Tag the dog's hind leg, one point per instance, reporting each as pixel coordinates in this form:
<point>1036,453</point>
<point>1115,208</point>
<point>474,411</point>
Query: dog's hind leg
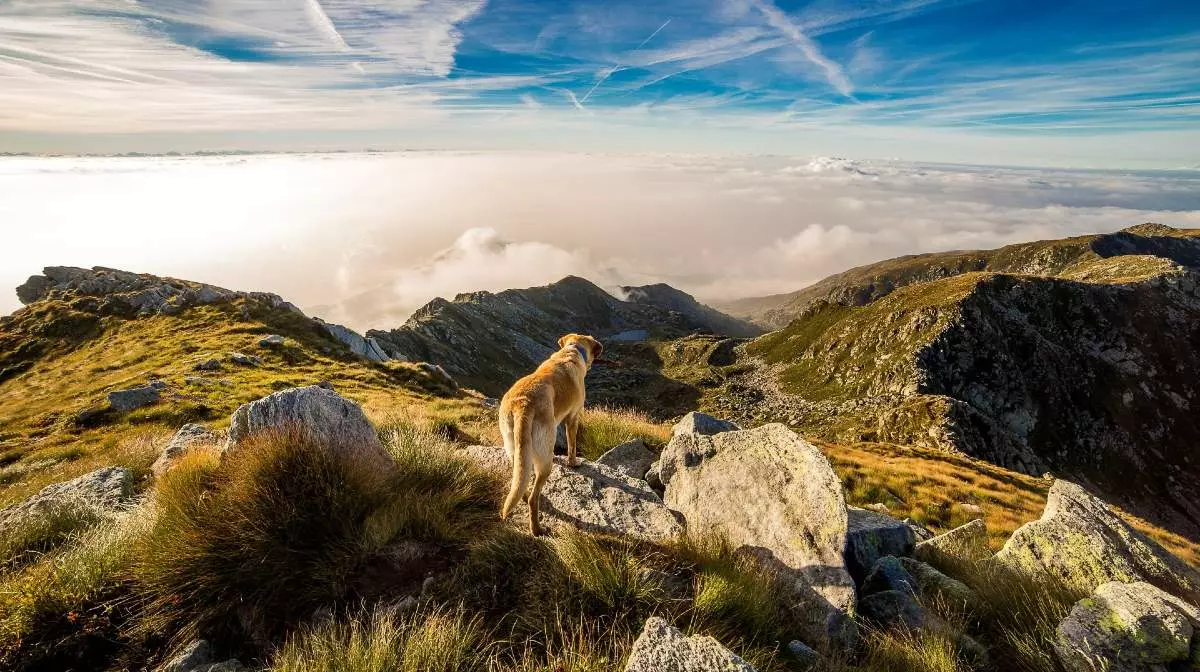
<point>535,496</point>
<point>522,446</point>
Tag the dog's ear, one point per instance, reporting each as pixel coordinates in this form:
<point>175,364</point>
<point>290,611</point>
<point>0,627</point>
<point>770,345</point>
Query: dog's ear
<point>562,341</point>
<point>597,349</point>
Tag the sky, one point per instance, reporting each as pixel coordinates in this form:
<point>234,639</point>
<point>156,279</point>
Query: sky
<point>1096,84</point>
<point>365,239</point>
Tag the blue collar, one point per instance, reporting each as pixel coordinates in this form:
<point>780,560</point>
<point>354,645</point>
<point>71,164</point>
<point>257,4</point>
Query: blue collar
<point>582,353</point>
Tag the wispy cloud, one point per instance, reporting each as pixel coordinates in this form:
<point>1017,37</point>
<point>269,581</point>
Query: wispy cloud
<point>784,24</point>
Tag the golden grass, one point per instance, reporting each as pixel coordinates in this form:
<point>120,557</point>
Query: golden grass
<point>604,428</point>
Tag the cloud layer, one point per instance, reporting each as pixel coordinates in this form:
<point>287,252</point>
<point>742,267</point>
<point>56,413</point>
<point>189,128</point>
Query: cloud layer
<point>366,239</point>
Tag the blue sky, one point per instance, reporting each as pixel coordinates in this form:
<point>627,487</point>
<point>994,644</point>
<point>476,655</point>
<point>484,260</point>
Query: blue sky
<point>1100,83</point>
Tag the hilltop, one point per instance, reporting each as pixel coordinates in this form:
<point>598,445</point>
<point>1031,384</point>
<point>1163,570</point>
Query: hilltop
<point>864,284</point>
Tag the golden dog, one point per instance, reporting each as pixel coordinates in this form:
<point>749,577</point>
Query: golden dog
<point>531,411</point>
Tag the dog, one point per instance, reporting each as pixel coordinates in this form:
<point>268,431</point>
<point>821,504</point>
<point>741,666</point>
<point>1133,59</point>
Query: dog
<point>531,411</point>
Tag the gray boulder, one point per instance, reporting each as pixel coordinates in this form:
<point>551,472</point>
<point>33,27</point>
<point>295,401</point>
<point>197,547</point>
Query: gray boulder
<point>436,371</point>
<point>320,413</point>
<point>1129,627</point>
<point>134,397</point>
<point>890,608</point>
<point>591,497</point>
<point>775,494</point>
<point>198,657</point>
<point>632,459</point>
<point>663,648</point>
<point>870,536</point>
<point>700,423</point>
<point>272,341</point>
<point>95,493</point>
<point>654,475</point>
<point>965,542</point>
<point>186,437</point>
<point>1082,543</point>
<point>208,365</point>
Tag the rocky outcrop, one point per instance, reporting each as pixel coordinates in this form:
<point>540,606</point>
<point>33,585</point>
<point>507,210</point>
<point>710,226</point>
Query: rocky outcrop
<point>98,492</point>
<point>663,648</point>
<point>362,346</point>
<point>486,340</point>
<point>870,536</point>
<point>632,459</point>
<point>1082,543</point>
<point>592,497</point>
<point>776,495</point>
<point>1076,362</point>
<point>132,294</point>
<point>189,435</point>
<point>700,423</point>
<point>666,296</point>
<point>1129,627</point>
<point>323,415</point>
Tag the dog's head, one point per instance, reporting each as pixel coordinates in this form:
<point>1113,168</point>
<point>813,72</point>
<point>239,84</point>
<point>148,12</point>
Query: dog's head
<point>586,344</point>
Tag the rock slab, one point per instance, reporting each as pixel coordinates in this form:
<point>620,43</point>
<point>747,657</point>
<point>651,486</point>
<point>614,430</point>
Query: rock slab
<point>664,648</point>
<point>323,415</point>
<point>773,493</point>
<point>134,397</point>
<point>187,436</point>
<point>965,542</point>
<point>700,423</point>
<point>1082,543</point>
<point>870,536</point>
<point>103,491</point>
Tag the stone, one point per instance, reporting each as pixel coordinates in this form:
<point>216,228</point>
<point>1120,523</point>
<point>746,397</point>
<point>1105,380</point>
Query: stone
<point>772,492</point>
<point>632,458</point>
<point>244,359</point>
<point>654,476</point>
<point>802,652</point>
<point>870,536</point>
<point>889,574</point>
<point>965,542</point>
<point>100,492</point>
<point>591,497</point>
<point>185,438</point>
<point>208,365</point>
<point>1082,543</point>
<point>133,398</point>
<point>920,532</point>
<point>321,414</point>
<point>1128,627</point>
<point>700,423</point>
<point>664,648</point>
<point>272,341</point>
<point>933,585</point>
<point>437,372</point>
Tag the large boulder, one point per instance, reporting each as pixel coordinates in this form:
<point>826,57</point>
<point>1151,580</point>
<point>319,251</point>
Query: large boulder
<point>632,458</point>
<point>663,648</point>
<point>966,542</point>
<point>323,415</point>
<point>1129,627</point>
<point>1082,543</point>
<point>367,348</point>
<point>98,492</point>
<point>700,423</point>
<point>775,494</point>
<point>134,397</point>
<point>870,536</point>
<point>187,436</point>
<point>592,497</point>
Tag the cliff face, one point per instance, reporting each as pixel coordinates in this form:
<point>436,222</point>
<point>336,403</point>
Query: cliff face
<point>864,284</point>
<point>1089,371</point>
<point>489,340</point>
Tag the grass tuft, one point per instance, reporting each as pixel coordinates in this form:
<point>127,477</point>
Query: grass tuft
<point>603,428</point>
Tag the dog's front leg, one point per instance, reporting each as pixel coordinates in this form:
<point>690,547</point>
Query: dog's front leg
<point>572,423</point>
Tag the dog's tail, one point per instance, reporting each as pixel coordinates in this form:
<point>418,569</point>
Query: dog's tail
<point>522,425</point>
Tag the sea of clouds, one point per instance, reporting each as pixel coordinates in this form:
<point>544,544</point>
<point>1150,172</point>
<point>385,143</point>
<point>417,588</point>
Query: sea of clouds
<point>365,239</point>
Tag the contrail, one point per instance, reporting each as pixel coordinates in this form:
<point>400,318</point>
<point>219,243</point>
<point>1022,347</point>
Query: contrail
<point>612,71</point>
<point>323,23</point>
